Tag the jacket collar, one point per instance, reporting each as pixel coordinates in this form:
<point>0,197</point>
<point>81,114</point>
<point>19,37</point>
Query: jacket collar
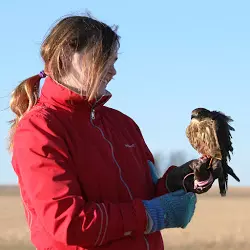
<point>57,94</point>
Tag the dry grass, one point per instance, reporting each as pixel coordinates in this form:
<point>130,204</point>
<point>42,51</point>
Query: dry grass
<point>218,224</point>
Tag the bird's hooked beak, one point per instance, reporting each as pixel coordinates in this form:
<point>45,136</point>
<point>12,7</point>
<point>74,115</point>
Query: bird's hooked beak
<point>194,116</point>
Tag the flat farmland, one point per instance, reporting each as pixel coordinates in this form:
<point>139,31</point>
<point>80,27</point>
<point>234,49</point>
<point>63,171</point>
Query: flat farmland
<point>218,224</point>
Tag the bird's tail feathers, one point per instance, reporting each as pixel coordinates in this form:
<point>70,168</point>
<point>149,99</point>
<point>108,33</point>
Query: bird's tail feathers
<point>222,185</point>
<point>231,172</point>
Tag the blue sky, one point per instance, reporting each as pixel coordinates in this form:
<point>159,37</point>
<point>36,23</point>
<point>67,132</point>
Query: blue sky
<point>175,56</point>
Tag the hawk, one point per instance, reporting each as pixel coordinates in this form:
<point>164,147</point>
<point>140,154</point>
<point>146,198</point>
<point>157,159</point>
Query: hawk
<point>209,133</point>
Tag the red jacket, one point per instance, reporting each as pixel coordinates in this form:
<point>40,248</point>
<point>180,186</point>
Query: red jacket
<point>82,171</point>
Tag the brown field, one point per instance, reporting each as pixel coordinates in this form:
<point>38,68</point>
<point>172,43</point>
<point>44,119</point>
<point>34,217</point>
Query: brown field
<point>218,224</point>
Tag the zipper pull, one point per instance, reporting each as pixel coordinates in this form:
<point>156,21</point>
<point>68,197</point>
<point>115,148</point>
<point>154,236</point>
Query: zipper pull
<point>93,114</point>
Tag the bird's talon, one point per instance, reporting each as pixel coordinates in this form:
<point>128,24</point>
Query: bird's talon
<point>210,163</point>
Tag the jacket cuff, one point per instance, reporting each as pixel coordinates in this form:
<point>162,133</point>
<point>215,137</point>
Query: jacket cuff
<point>134,217</point>
<point>161,187</point>
<point>149,224</point>
<point>131,220</point>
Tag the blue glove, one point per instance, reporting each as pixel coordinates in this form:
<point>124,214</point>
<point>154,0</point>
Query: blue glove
<point>153,172</point>
<point>171,210</point>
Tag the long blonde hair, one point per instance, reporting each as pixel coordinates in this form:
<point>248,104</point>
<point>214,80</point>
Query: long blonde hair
<point>98,43</point>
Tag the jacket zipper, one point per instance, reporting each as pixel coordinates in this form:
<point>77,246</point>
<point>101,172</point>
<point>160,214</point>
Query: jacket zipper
<point>112,151</point>
<point>92,117</point>
<point>93,114</point>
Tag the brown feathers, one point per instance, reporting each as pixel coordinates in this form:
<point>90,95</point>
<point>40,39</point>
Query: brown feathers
<point>202,136</point>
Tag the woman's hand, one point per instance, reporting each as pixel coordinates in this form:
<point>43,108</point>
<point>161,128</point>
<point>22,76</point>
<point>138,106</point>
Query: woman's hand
<point>153,172</point>
<point>193,176</point>
<point>173,210</point>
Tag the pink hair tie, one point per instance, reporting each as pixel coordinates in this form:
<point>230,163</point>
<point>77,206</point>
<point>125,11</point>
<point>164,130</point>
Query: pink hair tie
<point>42,74</point>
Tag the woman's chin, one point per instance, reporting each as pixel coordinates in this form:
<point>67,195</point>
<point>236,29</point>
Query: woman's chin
<point>102,92</point>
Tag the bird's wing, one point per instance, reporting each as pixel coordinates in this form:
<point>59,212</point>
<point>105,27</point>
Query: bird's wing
<point>202,136</point>
<point>223,131</point>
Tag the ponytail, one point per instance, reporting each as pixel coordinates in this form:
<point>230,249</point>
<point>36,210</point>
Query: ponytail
<point>23,98</point>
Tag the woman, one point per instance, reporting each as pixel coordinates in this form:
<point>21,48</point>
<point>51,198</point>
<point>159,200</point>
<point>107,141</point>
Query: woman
<point>82,167</point>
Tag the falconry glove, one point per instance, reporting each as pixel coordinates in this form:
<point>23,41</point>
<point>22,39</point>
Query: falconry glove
<point>173,210</point>
<point>193,176</point>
